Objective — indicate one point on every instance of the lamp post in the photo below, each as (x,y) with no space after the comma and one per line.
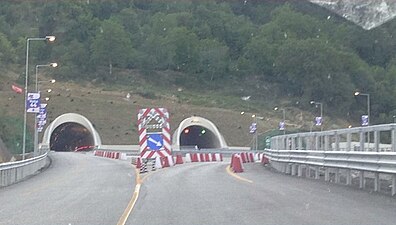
(321,112)
(284,118)
(46,38)
(35,117)
(368,105)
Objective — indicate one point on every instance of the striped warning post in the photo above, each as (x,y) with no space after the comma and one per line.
(160,118)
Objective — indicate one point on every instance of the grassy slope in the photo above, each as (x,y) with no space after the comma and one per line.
(115,118)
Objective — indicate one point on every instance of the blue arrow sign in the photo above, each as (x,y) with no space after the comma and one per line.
(155,141)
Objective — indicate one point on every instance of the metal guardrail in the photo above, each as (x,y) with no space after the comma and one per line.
(13,172)
(329,155)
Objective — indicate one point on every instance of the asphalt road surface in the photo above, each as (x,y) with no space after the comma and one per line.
(76,189)
(204,193)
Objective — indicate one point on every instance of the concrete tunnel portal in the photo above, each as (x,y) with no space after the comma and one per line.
(71,132)
(199,132)
(71,136)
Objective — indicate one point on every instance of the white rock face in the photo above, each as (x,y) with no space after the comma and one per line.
(365,13)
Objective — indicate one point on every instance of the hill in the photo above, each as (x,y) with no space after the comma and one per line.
(115,117)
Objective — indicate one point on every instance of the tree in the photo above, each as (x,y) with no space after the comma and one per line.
(111,46)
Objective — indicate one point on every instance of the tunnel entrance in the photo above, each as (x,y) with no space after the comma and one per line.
(71,136)
(198,136)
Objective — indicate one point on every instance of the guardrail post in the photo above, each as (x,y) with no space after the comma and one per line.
(376,182)
(393,184)
(327,174)
(337,142)
(317,142)
(317,175)
(288,170)
(348,177)
(393,139)
(300,168)
(293,169)
(337,175)
(362,182)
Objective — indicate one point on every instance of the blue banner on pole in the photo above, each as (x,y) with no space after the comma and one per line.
(282,125)
(33,103)
(253,128)
(318,121)
(365,120)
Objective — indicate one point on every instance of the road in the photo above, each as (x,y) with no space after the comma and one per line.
(204,193)
(76,189)
(83,189)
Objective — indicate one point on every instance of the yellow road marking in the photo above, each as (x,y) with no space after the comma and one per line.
(133,200)
(228,169)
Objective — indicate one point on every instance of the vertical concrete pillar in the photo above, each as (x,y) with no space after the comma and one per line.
(326,142)
(299,143)
(349,140)
(376,141)
(293,143)
(361,140)
(337,142)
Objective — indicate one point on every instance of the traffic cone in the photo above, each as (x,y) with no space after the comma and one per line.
(179,159)
(165,162)
(251,157)
(213,157)
(221,157)
(138,163)
(207,159)
(194,157)
(237,164)
(232,159)
(243,157)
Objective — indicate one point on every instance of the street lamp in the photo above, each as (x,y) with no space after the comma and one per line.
(368,105)
(46,38)
(321,112)
(37,90)
(284,118)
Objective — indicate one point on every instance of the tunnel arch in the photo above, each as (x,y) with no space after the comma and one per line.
(198,131)
(73,126)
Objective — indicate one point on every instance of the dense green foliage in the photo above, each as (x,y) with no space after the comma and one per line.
(289,49)
(11,131)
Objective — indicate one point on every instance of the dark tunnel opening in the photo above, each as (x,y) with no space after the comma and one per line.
(199,136)
(71,137)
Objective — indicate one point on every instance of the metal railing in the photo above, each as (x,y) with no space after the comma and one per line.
(338,153)
(13,172)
